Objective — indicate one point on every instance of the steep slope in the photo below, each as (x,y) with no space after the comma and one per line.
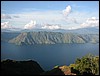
(53,38)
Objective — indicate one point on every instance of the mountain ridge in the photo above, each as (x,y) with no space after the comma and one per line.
(44,37)
(86,30)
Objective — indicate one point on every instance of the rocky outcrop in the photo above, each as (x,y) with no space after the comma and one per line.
(66,70)
(62,70)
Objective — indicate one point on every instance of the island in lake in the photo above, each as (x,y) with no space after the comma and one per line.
(49,38)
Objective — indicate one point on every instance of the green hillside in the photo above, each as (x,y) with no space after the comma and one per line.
(29,38)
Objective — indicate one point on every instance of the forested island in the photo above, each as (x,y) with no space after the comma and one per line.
(87,65)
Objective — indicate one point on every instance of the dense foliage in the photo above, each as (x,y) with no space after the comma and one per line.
(88,64)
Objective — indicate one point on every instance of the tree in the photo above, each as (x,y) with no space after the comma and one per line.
(88,64)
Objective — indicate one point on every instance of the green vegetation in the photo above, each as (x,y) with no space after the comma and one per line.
(88,64)
(29,38)
(57,66)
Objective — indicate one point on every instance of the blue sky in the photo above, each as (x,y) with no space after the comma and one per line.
(66,13)
(16,6)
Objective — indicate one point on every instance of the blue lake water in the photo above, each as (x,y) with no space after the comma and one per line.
(48,55)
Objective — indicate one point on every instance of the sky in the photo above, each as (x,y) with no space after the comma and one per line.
(49,14)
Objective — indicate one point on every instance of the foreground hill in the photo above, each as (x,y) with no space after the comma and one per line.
(43,37)
(12,67)
(87,65)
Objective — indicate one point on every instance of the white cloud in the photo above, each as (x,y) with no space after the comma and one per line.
(67,10)
(30,25)
(90,22)
(68,18)
(51,27)
(16,16)
(4,16)
(51,16)
(5,25)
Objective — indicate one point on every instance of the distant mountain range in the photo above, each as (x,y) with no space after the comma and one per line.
(87,30)
(45,36)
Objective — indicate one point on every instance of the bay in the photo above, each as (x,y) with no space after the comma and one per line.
(48,55)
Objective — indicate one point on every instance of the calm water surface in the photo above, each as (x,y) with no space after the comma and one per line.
(48,55)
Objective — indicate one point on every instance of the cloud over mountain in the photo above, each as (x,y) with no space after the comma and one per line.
(30,25)
(16,16)
(90,22)
(51,27)
(4,16)
(68,16)
(5,25)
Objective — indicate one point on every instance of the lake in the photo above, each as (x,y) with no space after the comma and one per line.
(48,55)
